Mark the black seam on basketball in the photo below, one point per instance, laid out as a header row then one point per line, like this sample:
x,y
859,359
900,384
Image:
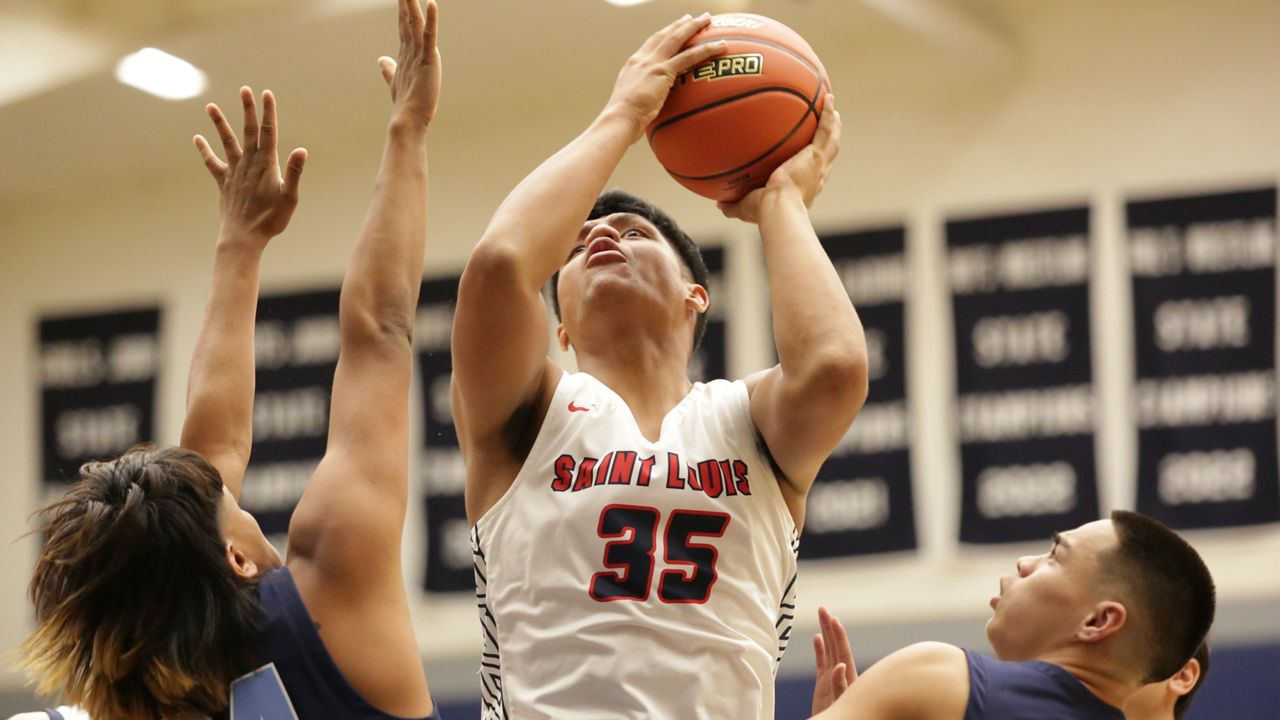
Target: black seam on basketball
x,y
717,103
769,43
804,116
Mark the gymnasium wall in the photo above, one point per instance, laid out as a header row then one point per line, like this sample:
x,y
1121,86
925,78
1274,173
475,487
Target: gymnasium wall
x,y
1097,103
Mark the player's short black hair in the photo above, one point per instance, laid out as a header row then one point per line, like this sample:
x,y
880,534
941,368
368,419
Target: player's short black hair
x,y
621,201
1170,587
1181,704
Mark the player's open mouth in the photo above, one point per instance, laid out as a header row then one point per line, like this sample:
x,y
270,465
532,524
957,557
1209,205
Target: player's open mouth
x,y
604,250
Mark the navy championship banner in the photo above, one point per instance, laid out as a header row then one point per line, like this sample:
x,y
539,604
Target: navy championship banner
x,y
449,563
710,360
1024,379
861,501
1204,324
296,343
97,388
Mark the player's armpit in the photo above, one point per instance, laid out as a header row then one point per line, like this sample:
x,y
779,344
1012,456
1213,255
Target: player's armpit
x,y
925,681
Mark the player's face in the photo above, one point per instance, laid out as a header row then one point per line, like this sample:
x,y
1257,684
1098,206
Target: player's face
x,y
242,531
623,267
1042,604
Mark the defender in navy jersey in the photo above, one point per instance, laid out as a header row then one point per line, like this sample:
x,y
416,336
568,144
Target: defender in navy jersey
x,y
1113,606
156,595
635,533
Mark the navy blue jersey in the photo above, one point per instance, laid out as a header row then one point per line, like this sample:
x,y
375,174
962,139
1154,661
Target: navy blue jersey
x,y
297,680
1030,690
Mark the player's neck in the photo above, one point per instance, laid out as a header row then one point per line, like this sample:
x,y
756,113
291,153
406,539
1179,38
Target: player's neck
x,y
1101,679
651,376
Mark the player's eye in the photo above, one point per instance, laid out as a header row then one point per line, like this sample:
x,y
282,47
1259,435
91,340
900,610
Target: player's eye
x,y
634,232
576,249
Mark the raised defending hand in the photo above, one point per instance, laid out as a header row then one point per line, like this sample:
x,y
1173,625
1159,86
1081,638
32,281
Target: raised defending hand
x,y
415,79
256,201
834,659
805,172
647,77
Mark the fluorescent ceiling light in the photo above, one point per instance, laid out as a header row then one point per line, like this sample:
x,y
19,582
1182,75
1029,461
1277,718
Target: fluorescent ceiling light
x,y
161,74
626,3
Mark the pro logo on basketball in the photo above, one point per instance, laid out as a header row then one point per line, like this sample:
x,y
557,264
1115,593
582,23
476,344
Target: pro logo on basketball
x,y
730,66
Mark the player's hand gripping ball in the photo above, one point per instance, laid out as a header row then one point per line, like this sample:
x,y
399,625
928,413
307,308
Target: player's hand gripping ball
x,y
730,121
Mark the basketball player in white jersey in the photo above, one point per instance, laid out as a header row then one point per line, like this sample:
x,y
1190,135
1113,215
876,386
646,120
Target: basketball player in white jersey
x,y
635,534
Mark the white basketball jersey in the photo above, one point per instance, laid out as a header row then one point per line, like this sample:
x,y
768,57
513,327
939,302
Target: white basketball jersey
x,y
623,578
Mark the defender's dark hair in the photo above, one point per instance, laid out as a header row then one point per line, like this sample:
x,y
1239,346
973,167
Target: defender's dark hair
x,y
1181,704
138,613
1171,589
621,201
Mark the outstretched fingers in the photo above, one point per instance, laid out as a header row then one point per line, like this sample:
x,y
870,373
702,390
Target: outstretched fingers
x,y
402,22
250,119
839,680
217,168
230,145
269,132
429,32
414,20
837,643
293,172
388,68
819,654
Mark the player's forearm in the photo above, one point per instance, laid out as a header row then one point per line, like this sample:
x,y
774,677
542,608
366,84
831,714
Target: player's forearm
x,y
219,415
817,331
538,223
382,282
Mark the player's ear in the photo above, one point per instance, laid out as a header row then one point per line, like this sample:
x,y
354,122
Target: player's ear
x,y
1185,680
240,563
562,338
1105,620
697,298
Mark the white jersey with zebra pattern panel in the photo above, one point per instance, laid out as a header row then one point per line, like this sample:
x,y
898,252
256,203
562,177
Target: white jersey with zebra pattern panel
x,y
624,578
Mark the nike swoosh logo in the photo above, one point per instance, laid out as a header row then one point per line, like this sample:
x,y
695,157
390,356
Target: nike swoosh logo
x,y
577,408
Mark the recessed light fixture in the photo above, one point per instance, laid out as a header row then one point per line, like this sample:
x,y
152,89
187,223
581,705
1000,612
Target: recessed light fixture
x,y
626,3
161,74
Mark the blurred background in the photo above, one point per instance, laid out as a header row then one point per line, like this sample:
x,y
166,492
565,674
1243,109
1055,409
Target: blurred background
x,y
1057,219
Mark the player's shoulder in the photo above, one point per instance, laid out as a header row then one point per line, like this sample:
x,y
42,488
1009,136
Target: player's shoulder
x,y
928,679
930,657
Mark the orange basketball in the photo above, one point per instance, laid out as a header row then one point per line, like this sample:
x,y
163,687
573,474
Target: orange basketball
x,y
731,121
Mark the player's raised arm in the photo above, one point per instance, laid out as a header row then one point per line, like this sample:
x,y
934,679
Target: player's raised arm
x,y
500,327
805,404
256,204
344,539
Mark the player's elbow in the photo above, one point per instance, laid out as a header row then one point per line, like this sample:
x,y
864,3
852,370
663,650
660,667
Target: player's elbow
x,y
494,261
840,378
375,326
